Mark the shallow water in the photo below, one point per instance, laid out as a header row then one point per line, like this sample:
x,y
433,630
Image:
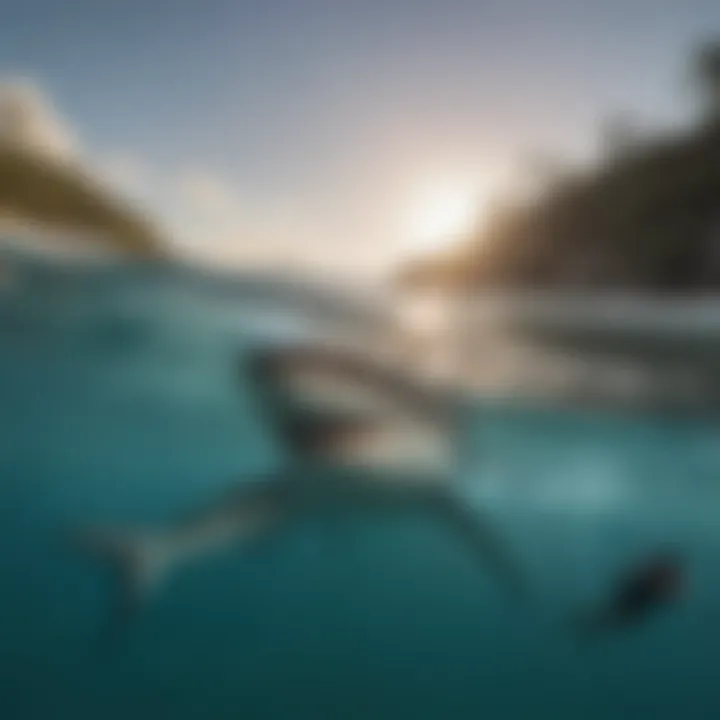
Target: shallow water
x,y
106,417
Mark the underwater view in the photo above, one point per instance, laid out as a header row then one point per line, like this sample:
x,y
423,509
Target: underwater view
x,y
132,413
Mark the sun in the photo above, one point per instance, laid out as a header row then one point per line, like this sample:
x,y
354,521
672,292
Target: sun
x,y
440,215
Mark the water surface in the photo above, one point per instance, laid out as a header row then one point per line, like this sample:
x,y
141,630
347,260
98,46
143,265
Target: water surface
x,y
108,415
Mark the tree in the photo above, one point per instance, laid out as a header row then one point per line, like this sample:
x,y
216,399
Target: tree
x,y
706,71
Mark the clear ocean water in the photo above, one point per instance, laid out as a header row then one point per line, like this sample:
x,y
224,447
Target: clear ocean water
x,y
121,402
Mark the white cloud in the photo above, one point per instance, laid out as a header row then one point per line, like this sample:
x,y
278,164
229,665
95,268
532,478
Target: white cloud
x,y
214,223
29,119
126,172
206,192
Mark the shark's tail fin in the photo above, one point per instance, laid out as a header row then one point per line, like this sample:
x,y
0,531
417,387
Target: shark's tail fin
x,y
139,561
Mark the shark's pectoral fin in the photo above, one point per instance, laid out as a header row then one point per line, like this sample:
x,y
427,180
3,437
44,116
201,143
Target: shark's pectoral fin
x,y
483,541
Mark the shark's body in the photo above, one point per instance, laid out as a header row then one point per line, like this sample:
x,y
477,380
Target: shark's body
x,y
345,444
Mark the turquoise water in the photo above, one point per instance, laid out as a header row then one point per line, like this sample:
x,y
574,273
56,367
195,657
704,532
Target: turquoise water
x,y
107,415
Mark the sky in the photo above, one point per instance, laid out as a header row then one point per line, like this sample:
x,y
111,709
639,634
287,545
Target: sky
x,y
314,132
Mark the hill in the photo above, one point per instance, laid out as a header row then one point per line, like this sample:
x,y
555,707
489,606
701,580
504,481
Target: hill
x,y
63,195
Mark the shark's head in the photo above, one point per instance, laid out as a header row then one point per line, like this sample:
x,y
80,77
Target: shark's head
x,y
345,409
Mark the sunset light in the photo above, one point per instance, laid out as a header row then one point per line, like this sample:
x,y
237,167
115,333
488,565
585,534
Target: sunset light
x,y
441,215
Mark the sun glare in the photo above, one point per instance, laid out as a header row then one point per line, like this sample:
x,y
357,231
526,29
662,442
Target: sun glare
x,y
441,216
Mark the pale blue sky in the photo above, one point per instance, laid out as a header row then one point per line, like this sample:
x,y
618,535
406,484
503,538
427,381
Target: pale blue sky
x,y
313,121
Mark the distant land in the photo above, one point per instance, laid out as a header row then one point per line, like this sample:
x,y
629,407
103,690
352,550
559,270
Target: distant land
x,y
645,218
62,195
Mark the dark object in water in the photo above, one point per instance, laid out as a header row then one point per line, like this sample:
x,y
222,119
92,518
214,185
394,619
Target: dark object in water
x,y
647,587
334,408
331,413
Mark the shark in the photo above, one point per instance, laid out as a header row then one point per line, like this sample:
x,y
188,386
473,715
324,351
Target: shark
x,y
350,430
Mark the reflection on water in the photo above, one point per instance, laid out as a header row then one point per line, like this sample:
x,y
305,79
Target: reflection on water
x,y
354,616
647,352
